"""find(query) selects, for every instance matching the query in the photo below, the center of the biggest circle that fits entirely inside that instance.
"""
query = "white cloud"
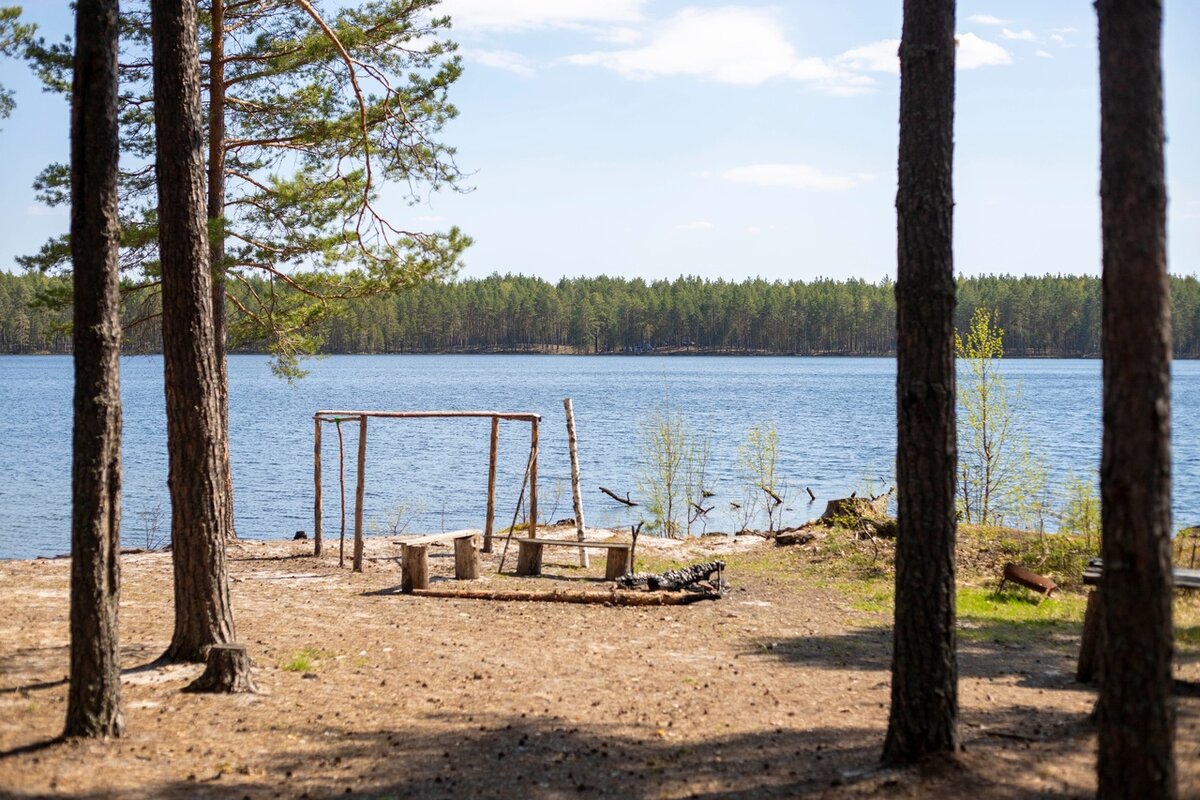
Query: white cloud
(530, 14)
(754, 230)
(698, 225)
(619, 35)
(1021, 36)
(502, 59)
(794, 176)
(974, 52)
(875, 57)
(732, 45)
(988, 19)
(1044, 54)
(431, 218)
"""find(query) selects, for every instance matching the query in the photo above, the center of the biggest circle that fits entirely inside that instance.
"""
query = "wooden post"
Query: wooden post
(316, 486)
(415, 568)
(576, 494)
(342, 486)
(466, 558)
(491, 497)
(358, 496)
(1089, 645)
(616, 563)
(533, 459)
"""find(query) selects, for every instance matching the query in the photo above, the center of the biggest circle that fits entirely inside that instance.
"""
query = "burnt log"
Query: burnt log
(675, 579)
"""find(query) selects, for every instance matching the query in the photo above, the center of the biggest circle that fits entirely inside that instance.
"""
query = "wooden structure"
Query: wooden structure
(414, 559)
(1089, 648)
(335, 417)
(529, 556)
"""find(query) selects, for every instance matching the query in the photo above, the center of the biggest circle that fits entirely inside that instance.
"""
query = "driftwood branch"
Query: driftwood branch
(771, 493)
(812, 497)
(624, 500)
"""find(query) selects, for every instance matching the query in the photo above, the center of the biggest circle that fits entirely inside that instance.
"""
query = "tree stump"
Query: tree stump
(466, 558)
(617, 563)
(416, 568)
(529, 557)
(227, 671)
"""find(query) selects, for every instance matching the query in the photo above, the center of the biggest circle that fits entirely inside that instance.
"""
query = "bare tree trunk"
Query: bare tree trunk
(1135, 712)
(94, 692)
(924, 708)
(199, 516)
(216, 212)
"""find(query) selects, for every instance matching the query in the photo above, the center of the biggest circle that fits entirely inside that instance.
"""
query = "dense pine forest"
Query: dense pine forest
(1041, 316)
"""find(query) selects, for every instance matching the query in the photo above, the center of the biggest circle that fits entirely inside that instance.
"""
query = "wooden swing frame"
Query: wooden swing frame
(336, 416)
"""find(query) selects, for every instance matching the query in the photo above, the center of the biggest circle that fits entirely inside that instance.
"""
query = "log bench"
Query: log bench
(529, 555)
(415, 558)
(1089, 647)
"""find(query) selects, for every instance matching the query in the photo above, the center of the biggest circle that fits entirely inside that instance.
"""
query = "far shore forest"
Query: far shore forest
(1047, 316)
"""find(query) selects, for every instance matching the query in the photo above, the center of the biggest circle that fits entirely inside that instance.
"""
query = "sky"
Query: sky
(652, 138)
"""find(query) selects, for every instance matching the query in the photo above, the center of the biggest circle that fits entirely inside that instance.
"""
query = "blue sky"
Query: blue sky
(653, 138)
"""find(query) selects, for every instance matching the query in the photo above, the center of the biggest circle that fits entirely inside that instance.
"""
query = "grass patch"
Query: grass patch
(303, 660)
(876, 596)
(1015, 617)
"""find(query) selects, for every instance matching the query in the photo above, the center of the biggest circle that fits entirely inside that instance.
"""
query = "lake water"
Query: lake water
(835, 419)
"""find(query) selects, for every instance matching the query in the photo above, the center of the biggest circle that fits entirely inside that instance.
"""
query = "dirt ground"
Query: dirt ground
(777, 690)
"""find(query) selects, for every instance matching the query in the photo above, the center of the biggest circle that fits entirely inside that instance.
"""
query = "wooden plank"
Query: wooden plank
(574, 543)
(525, 416)
(1184, 578)
(431, 538)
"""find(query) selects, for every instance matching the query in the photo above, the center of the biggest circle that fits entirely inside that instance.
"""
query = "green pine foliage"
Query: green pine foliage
(325, 104)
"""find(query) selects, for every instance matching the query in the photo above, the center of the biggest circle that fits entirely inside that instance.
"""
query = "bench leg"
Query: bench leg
(529, 558)
(1089, 648)
(466, 558)
(415, 568)
(617, 563)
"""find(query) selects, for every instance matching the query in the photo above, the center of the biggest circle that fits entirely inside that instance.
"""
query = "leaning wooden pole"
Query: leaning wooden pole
(533, 459)
(358, 495)
(576, 494)
(489, 525)
(316, 486)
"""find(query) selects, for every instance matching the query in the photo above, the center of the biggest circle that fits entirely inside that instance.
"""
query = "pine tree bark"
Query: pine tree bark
(199, 516)
(216, 214)
(1135, 713)
(924, 703)
(94, 691)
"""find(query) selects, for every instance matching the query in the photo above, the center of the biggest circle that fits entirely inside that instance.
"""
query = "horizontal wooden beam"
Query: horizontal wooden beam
(526, 416)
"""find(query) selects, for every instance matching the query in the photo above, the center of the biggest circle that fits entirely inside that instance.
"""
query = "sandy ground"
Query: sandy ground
(777, 690)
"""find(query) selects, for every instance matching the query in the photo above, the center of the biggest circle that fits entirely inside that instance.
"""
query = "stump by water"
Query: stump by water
(227, 671)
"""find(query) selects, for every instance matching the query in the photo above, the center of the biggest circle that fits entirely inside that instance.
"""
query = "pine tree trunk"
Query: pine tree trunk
(924, 707)
(199, 516)
(94, 692)
(216, 211)
(1135, 711)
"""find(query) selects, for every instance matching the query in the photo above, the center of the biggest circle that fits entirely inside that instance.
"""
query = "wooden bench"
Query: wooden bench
(415, 557)
(1089, 647)
(529, 556)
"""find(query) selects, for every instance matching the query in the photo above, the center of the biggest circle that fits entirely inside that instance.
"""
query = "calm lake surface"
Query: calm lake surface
(835, 419)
